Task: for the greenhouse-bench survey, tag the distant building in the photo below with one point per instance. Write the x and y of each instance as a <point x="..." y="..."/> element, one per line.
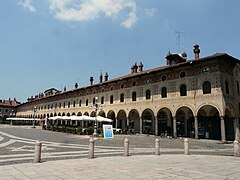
<point x="8" y="108"/>
<point x="189" y="98"/>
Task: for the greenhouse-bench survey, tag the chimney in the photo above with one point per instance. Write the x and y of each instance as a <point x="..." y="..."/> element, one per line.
<point x="135" y="68"/>
<point x="76" y="85"/>
<point x="140" y="66"/>
<point x="184" y="55"/>
<point x="106" y="77"/>
<point x="91" y="80"/>
<point x="132" y="69"/>
<point x="196" y="51"/>
<point x="64" y="89"/>
<point x="101" y="77"/>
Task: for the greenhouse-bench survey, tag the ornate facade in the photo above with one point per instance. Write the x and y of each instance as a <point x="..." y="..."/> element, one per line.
<point x="7" y="109"/>
<point x="192" y="98"/>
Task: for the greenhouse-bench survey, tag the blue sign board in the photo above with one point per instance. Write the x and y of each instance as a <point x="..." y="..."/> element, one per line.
<point x="108" y="131"/>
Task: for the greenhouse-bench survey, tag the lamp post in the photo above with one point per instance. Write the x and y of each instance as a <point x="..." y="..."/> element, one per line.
<point x="11" y="115"/>
<point x="95" y="106"/>
<point x="34" y="112"/>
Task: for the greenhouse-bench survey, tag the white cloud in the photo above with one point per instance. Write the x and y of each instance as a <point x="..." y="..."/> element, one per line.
<point x="84" y="10"/>
<point x="27" y="4"/>
<point x="151" y="12"/>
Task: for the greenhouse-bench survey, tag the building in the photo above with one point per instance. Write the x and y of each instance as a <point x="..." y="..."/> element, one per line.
<point x="8" y="108"/>
<point x="191" y="98"/>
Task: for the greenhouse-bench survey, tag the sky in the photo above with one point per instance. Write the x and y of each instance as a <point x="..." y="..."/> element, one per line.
<point x="55" y="43"/>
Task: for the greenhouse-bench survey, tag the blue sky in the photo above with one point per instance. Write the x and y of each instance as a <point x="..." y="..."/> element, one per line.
<point x="56" y="43"/>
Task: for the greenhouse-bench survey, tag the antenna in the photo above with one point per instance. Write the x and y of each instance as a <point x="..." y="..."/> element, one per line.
<point x="179" y="39"/>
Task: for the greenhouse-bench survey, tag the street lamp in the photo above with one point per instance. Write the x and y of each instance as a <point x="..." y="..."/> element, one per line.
<point x="34" y="112"/>
<point x="95" y="107"/>
<point x="11" y="115"/>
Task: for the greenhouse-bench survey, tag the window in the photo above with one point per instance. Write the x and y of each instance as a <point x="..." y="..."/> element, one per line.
<point x="134" y="96"/>
<point x="183" y="90"/>
<point x="94" y="101"/>
<point x="122" y="86"/>
<point x="238" y="88"/>
<point x="102" y="100"/>
<point x="206" y="87"/>
<point x="69" y="104"/>
<point x="148" y="81"/>
<point x="164" y="92"/>
<point x="86" y="102"/>
<point x="74" y="103"/>
<point x="164" y="77"/>
<point x="64" y="105"/>
<point x="134" y="83"/>
<point x="182" y="74"/>
<point x="111" y="99"/>
<point x="122" y="97"/>
<point x="80" y="103"/>
<point x="226" y="86"/>
<point x="206" y="70"/>
<point x="148" y="94"/>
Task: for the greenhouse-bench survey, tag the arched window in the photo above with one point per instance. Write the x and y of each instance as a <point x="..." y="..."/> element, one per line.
<point x="69" y="104"/>
<point x="206" y="87"/>
<point x="148" y="94"/>
<point x="64" y="105"/>
<point x="111" y="99"/>
<point x="122" y="97"/>
<point x="86" y="102"/>
<point x="102" y="100"/>
<point x="60" y="105"/>
<point x="164" y="92"/>
<point x="226" y="86"/>
<point x="94" y="101"/>
<point x="80" y="103"/>
<point x="134" y="96"/>
<point x="183" y="90"/>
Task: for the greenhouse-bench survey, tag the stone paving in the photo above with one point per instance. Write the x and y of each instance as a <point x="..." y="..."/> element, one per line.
<point x="166" y="167"/>
<point x="17" y="145"/>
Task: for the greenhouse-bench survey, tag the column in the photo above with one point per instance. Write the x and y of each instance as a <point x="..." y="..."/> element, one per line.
<point x="141" y="125"/>
<point x="223" y="135"/>
<point x="236" y="124"/>
<point x="156" y="125"/>
<point x="116" y="125"/>
<point x="196" y="127"/>
<point x="174" y="127"/>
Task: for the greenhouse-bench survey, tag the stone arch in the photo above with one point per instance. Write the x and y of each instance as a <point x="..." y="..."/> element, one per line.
<point x="55" y="114"/>
<point x="102" y="113"/>
<point x="121" y="119"/>
<point x="86" y="113"/>
<point x="63" y="114"/>
<point x="73" y="114"/>
<point x="209" y="122"/>
<point x="79" y="114"/>
<point x="165" y="124"/>
<point x="229" y="120"/>
<point x="111" y="115"/>
<point x="148" y="122"/>
<point x="185" y="122"/>
<point x="51" y="115"/>
<point x="68" y="114"/>
<point x="134" y="120"/>
<point x="59" y="114"/>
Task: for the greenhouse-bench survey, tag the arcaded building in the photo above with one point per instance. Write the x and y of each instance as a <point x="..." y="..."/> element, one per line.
<point x="8" y="108"/>
<point x="197" y="98"/>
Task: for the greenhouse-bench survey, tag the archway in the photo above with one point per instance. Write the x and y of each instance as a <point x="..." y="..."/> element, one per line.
<point x="185" y="122"/>
<point x="111" y="115"/>
<point x="134" y="120"/>
<point x="229" y="125"/>
<point x="122" y="120"/>
<point x="164" y="118"/>
<point x="209" y="123"/>
<point x="148" y="125"/>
